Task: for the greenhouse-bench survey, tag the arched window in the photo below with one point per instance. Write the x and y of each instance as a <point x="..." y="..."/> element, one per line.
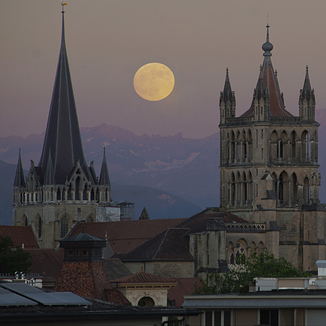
<point x="90" y="219"/>
<point x="39" y="227"/>
<point x="146" y="302"/>
<point x="232" y="189"/>
<point x="306" y="193"/>
<point x="64" y="227"/>
<point x="305" y="139"/>
<point x="283" y="191"/>
<point x="294" y="194"/>
<point x="275" y="151"/>
<point x="77" y="188"/>
<point x="283" y="145"/>
<point x="293" y="144"/>
<point x="24" y="221"/>
<point x="230" y="253"/>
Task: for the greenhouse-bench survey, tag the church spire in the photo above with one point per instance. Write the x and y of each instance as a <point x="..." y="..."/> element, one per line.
<point x="62" y="137"/>
<point x="19" y="177"/>
<point x="268" y="78"/>
<point x="227" y="100"/>
<point x="49" y="175"/>
<point x="307" y="101"/>
<point x="104" y="175"/>
<point x="306" y="84"/>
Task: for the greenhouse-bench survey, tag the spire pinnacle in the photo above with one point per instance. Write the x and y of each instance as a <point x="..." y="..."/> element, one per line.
<point x="227" y="84"/>
<point x="267" y="46"/>
<point x="306" y="85"/>
<point x="104" y="174"/>
<point x="62" y="136"/>
<point x="19" y="177"/>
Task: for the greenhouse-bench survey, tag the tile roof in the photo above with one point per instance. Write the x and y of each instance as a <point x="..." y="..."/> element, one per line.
<point x="47" y="263"/>
<point x="185" y="286"/>
<point x="21" y="235"/>
<point x="114" y="268"/>
<point x="268" y="80"/>
<point x="197" y="222"/>
<point x="84" y="279"/>
<point x="142" y="277"/>
<point x="125" y="236"/>
<point x="168" y="245"/>
<point x="172" y="243"/>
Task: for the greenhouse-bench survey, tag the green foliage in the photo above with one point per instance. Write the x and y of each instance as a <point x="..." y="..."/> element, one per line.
<point x="13" y="259"/>
<point x="246" y="269"/>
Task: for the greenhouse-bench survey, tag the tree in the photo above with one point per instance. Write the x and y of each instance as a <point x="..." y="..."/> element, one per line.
<point x="238" y="279"/>
<point x="13" y="259"/>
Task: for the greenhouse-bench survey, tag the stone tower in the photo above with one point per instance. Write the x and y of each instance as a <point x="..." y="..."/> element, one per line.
<point x="269" y="164"/>
<point x="62" y="189"/>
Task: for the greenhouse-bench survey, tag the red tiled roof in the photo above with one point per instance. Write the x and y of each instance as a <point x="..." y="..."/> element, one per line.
<point x="185" y="286"/>
<point x="197" y="223"/>
<point x="83" y="278"/>
<point x="125" y="236"/>
<point x="115" y="296"/>
<point x="21" y="235"/>
<point x="46" y="262"/>
<point x="142" y="277"/>
<point x="172" y="244"/>
<point x="277" y="107"/>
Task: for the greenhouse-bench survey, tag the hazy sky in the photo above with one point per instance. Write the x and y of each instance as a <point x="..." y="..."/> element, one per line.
<point x="108" y="40"/>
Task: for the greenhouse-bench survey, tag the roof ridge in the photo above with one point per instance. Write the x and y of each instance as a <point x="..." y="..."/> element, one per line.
<point x="161" y="243"/>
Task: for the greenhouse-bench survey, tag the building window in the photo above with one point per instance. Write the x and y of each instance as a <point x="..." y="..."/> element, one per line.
<point x="269" y="317"/>
<point x="64" y="227"/>
<point x="218" y="318"/>
<point x="146" y="302"/>
<point x="39" y="230"/>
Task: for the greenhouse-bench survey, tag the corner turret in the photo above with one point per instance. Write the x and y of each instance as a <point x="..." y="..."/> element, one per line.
<point x="307" y="101"/>
<point x="227" y="100"/>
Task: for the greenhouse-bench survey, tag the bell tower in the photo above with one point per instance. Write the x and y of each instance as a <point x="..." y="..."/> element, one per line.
<point x="269" y="163"/>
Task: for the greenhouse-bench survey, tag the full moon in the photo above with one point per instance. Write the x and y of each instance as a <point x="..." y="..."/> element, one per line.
<point x="154" y="81"/>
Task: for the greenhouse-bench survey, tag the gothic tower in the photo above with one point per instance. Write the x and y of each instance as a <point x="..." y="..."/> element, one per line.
<point x="269" y="164"/>
<point x="62" y="189"/>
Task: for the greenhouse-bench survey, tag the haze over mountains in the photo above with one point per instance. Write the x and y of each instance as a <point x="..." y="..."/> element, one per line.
<point x="171" y="176"/>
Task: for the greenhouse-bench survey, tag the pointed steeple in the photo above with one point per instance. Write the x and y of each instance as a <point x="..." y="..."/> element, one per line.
<point x="144" y="214"/>
<point x="19" y="177"/>
<point x="268" y="77"/>
<point x="307" y="101"/>
<point x="49" y="174"/>
<point x="227" y="85"/>
<point x="104" y="175"/>
<point x="227" y="100"/>
<point x="306" y="84"/>
<point x="62" y="137"/>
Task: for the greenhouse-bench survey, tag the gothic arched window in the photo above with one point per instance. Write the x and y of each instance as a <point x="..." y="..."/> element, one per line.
<point x="64" y="227"/>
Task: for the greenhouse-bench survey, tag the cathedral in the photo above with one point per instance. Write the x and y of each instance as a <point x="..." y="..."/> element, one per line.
<point x="269" y="168"/>
<point x="269" y="185"/>
<point x="62" y="189"/>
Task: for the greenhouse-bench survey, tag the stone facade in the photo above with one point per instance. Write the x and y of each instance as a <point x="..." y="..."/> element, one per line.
<point x="269" y="170"/>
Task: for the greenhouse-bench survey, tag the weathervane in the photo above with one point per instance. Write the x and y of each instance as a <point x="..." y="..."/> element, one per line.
<point x="63" y="4"/>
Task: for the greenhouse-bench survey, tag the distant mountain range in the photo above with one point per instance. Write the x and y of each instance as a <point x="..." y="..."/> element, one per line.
<point x="171" y="176"/>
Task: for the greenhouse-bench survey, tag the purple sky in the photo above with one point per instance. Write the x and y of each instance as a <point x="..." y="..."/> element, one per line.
<point x="108" y="40"/>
